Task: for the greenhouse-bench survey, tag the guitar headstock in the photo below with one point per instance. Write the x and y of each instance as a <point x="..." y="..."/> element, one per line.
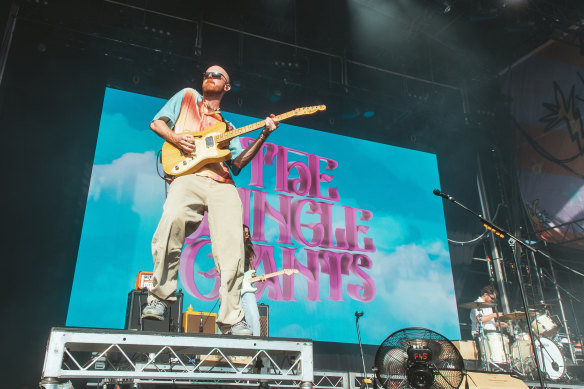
<point x="309" y="110"/>
<point x="289" y="272"/>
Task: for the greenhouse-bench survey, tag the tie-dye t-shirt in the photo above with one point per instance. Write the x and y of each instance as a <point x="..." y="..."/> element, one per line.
<point x="188" y="113"/>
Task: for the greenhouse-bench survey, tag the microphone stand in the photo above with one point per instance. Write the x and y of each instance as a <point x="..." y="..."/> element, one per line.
<point x="365" y="380"/>
<point x="501" y="233"/>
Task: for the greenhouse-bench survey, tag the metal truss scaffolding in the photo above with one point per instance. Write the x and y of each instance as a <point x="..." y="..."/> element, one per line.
<point x="118" y="356"/>
<point x="110" y="358"/>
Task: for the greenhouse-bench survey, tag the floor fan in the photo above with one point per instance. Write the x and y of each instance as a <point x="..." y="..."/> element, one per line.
<point x="418" y="358"/>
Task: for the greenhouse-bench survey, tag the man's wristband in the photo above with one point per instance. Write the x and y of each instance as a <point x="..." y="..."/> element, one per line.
<point x="262" y="136"/>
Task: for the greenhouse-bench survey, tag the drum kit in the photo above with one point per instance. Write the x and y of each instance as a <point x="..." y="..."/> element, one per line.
<point x="510" y="349"/>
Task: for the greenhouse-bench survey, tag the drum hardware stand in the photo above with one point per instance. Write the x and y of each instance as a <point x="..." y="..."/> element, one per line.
<point x="484" y="362"/>
<point x="554" y="280"/>
<point x="502" y="234"/>
<point x="512" y="243"/>
<point x="535" y="271"/>
<point x="579" y="332"/>
<point x="523" y="370"/>
<point x="506" y="350"/>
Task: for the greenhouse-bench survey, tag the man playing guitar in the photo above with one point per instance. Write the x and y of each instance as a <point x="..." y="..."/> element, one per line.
<point x="210" y="188"/>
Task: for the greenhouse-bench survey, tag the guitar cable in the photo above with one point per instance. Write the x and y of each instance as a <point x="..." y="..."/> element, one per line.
<point x="208" y="316"/>
<point x="164" y="176"/>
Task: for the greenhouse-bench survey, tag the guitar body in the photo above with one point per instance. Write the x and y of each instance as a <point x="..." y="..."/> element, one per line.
<point x="246" y="286"/>
<point x="176" y="163"/>
<point x="249" y="279"/>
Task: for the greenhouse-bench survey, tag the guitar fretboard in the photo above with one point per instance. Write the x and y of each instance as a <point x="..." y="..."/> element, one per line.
<point x="250" y="127"/>
<point x="270" y="275"/>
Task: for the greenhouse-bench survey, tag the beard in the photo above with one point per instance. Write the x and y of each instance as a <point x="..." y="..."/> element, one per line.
<point x="210" y="89"/>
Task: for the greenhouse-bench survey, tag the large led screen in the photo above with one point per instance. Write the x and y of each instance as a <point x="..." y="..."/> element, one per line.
<point x="357" y="219"/>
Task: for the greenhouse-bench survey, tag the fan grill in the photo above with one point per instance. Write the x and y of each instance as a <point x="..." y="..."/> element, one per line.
<point x="391" y="359"/>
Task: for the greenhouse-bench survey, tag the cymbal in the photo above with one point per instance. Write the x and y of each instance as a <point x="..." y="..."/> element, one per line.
<point x="476" y="304"/>
<point x="517" y="315"/>
<point x="542" y="305"/>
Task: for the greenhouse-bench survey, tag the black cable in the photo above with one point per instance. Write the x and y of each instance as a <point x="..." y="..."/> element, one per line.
<point x="208" y="316"/>
<point x="481" y="236"/>
<point x="164" y="176"/>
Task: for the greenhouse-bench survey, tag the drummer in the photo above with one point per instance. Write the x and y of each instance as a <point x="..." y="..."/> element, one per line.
<point x="486" y="315"/>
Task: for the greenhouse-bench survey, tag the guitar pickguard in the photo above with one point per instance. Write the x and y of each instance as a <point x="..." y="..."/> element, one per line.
<point x="205" y="150"/>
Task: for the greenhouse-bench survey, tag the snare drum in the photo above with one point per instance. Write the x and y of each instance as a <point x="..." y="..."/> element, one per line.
<point x="544" y="325"/>
<point x="496" y="347"/>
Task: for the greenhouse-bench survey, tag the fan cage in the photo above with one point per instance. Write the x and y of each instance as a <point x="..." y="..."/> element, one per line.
<point x="391" y="359"/>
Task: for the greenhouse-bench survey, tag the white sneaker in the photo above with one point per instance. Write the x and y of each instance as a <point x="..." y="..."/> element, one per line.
<point x="239" y="329"/>
<point x="154" y="310"/>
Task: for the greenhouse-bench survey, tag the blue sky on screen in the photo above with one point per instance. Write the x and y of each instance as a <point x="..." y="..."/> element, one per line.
<point x="410" y="266"/>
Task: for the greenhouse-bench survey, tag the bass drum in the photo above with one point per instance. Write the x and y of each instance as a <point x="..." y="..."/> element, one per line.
<point x="553" y="361"/>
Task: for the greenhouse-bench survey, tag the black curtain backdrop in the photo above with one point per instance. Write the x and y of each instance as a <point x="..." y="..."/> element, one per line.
<point x="50" y="107"/>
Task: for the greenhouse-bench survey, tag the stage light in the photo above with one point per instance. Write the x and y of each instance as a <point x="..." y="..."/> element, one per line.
<point x="368" y="112"/>
<point x="295" y="64"/>
<point x="447" y="7"/>
<point x="351" y="113"/>
<point x="512" y="3"/>
<point x="275" y="94"/>
<point x="235" y="86"/>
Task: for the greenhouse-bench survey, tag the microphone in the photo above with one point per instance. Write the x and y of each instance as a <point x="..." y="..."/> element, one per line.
<point x="444" y="195"/>
<point x="358" y="314"/>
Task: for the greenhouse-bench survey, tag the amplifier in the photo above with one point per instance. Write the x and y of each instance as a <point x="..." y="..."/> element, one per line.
<point x="199" y="322"/>
<point x="144" y="279"/>
<point x="264" y="319"/>
<point x="137" y="300"/>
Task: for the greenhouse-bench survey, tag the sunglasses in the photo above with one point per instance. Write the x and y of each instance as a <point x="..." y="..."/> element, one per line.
<point x="216" y="75"/>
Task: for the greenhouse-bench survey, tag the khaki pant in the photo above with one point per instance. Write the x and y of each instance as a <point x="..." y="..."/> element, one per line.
<point x="188" y="198"/>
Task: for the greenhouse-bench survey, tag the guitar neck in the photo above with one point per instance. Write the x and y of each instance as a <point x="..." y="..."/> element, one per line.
<point x="250" y="127"/>
<point x="265" y="276"/>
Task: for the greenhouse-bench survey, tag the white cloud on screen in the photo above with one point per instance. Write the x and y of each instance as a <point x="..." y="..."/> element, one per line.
<point x="415" y="282"/>
<point x="129" y="179"/>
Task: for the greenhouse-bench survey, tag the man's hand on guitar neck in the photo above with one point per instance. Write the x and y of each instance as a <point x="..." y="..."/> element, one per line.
<point x="271" y="124"/>
<point x="246" y="156"/>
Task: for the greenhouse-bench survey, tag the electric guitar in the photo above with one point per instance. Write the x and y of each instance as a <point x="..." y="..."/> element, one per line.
<point x="249" y="279"/>
<point x="211" y="144"/>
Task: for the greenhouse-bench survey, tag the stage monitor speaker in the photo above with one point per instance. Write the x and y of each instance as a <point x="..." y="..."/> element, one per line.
<point x="480" y="380"/>
<point x="264" y="319"/>
<point x="137" y="300"/>
<point x="199" y="322"/>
